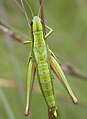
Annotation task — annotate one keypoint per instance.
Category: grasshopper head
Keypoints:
(36, 24)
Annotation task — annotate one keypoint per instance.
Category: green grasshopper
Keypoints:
(41, 60)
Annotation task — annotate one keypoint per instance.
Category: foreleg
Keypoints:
(49, 33)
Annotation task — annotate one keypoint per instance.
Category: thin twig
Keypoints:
(11, 33)
(5, 83)
(72, 71)
(42, 14)
(49, 116)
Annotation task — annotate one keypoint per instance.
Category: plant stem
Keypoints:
(42, 13)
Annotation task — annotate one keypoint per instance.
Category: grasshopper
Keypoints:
(41, 60)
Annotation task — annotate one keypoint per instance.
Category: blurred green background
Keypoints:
(68, 19)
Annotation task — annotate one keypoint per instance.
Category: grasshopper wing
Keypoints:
(29, 84)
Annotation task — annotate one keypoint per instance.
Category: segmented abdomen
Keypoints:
(45, 81)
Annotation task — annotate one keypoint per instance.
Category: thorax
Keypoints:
(40, 48)
(39, 40)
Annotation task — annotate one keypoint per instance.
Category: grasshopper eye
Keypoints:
(41, 21)
(31, 22)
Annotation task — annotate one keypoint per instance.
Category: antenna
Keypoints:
(25, 14)
(30, 8)
(40, 8)
(19, 6)
(23, 11)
